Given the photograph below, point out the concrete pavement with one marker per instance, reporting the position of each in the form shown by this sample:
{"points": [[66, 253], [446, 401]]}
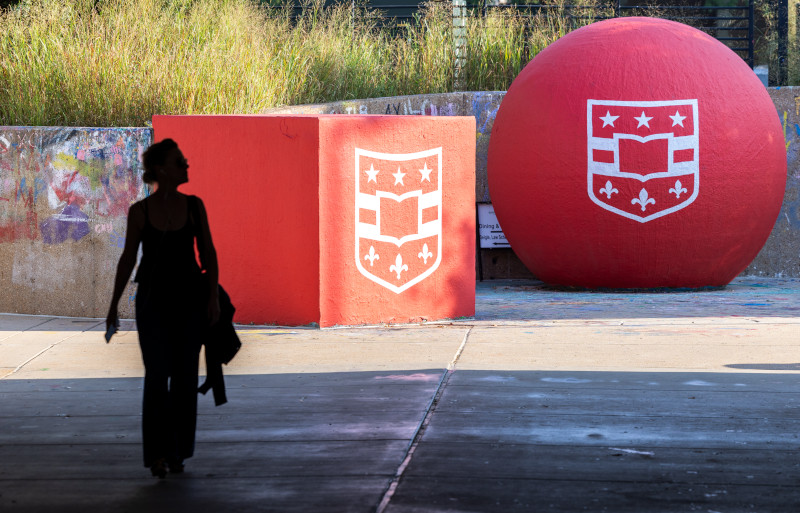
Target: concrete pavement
{"points": [[545, 401]]}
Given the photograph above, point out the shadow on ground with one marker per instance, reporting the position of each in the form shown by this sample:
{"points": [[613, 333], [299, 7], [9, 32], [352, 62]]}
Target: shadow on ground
{"points": [[493, 441]]}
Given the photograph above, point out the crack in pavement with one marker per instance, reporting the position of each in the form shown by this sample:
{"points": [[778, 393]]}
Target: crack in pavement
{"points": [[426, 419]]}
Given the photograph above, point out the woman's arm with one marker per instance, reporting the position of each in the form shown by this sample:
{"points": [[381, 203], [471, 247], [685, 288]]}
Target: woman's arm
{"points": [[127, 261], [208, 260]]}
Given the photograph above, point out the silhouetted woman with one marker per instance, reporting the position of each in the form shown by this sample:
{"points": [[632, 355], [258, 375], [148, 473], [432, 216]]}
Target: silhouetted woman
{"points": [[175, 303]]}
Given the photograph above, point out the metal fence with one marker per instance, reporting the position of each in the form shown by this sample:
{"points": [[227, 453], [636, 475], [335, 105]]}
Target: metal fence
{"points": [[732, 25]]}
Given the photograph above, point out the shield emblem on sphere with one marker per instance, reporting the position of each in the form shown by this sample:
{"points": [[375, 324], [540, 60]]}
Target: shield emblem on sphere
{"points": [[643, 156], [398, 216]]}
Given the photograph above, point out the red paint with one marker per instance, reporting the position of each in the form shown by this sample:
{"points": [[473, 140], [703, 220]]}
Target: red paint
{"points": [[63, 192], [603, 156], [694, 131], [18, 229], [684, 155], [260, 191], [643, 157], [281, 197]]}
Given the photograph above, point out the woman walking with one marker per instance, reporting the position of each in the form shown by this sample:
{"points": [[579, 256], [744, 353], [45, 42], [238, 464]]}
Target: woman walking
{"points": [[175, 303]]}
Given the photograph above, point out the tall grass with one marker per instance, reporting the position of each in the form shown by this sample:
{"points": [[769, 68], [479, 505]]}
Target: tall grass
{"points": [[118, 62], [73, 64], [501, 43]]}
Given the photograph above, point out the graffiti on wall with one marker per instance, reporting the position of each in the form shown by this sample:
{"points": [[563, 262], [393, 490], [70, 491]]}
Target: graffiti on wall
{"points": [[408, 106], [58, 185]]}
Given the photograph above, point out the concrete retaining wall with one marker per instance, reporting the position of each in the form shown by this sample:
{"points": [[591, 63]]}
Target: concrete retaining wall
{"points": [[780, 256], [64, 198], [64, 195]]}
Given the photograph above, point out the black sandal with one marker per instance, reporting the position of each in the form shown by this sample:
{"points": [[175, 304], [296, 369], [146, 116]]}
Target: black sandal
{"points": [[159, 468], [175, 466]]}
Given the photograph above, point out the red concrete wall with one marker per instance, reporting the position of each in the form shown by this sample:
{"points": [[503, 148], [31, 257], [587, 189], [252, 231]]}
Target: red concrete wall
{"points": [[258, 177], [292, 233], [434, 156]]}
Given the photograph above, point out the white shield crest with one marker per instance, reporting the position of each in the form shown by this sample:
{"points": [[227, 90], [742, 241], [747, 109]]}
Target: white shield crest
{"points": [[643, 156], [398, 216]]}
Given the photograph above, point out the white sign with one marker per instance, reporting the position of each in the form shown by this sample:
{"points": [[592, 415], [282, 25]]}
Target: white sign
{"points": [[491, 235]]}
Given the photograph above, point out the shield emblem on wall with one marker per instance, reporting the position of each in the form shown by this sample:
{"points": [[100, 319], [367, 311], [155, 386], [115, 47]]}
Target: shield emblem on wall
{"points": [[643, 156], [398, 216]]}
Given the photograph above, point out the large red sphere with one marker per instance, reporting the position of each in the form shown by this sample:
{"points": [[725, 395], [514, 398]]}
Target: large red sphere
{"points": [[637, 153]]}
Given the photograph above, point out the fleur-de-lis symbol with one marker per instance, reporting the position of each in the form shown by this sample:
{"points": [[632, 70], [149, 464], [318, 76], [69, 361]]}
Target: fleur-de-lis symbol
{"points": [[678, 189], [643, 200], [372, 256], [425, 254], [398, 266], [609, 189]]}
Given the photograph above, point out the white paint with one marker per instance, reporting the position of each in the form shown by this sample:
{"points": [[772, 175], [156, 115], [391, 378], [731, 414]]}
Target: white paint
{"points": [[643, 120], [372, 232], [372, 173], [410, 377], [372, 256], [677, 119], [53, 200], [643, 200], [700, 383], [398, 177], [609, 189], [608, 119], [607, 171], [424, 254], [425, 172], [678, 189], [566, 380], [372, 202], [398, 266], [632, 451], [499, 379]]}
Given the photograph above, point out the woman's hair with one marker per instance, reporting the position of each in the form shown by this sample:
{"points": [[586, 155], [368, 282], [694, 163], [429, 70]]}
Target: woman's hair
{"points": [[154, 156]]}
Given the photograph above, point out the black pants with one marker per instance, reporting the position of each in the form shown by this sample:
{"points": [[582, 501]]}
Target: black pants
{"points": [[169, 336]]}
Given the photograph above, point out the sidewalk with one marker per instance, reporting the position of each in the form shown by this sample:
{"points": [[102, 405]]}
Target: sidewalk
{"points": [[545, 401]]}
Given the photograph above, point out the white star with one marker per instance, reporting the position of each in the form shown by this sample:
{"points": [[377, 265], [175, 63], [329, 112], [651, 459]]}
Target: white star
{"points": [[608, 119], [398, 177], [426, 173], [372, 173], [643, 120], [677, 119]]}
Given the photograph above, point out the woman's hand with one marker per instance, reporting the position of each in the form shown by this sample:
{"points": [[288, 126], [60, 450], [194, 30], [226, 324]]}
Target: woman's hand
{"points": [[112, 321]]}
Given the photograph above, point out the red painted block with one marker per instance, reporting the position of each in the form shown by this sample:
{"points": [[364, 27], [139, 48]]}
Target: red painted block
{"points": [[337, 219]]}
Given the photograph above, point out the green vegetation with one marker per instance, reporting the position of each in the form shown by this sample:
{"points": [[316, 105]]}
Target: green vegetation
{"points": [[118, 62]]}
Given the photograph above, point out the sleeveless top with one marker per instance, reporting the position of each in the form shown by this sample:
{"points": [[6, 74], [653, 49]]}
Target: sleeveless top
{"points": [[168, 256]]}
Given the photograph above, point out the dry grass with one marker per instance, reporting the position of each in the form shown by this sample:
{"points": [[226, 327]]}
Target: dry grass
{"points": [[118, 62]]}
